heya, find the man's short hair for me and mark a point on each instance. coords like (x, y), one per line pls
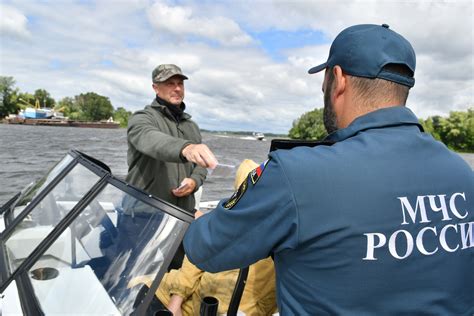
(368, 91)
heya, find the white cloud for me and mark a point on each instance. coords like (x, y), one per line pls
(441, 33)
(180, 21)
(235, 83)
(13, 22)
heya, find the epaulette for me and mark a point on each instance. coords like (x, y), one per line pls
(292, 143)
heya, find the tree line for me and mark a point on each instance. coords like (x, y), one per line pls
(88, 106)
(456, 131)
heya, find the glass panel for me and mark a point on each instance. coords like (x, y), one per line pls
(47, 214)
(10, 301)
(94, 265)
(34, 188)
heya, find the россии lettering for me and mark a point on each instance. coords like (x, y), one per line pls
(451, 208)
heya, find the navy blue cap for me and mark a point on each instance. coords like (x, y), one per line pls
(363, 50)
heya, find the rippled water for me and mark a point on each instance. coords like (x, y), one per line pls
(27, 153)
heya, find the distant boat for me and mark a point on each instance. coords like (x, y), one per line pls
(258, 135)
(41, 113)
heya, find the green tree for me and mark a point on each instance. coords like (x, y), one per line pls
(69, 108)
(8, 104)
(94, 107)
(430, 126)
(44, 98)
(309, 126)
(456, 131)
(121, 115)
(25, 100)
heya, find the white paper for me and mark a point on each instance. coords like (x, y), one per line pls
(221, 170)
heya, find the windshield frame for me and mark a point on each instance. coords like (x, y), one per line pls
(27, 297)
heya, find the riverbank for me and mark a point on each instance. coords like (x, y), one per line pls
(60, 122)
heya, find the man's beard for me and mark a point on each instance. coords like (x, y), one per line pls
(329, 116)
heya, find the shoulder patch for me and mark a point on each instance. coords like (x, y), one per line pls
(257, 172)
(236, 196)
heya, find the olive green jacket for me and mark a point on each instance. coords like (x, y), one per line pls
(155, 163)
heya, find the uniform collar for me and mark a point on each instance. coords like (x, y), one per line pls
(167, 112)
(386, 117)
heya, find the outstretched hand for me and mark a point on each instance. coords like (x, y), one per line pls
(186, 187)
(200, 154)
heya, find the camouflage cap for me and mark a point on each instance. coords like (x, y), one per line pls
(164, 72)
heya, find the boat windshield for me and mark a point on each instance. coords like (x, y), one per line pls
(48, 212)
(32, 190)
(88, 242)
(100, 259)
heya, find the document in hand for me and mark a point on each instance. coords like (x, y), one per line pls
(221, 170)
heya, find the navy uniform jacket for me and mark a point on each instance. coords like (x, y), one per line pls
(380, 223)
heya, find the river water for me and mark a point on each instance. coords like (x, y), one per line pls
(28, 152)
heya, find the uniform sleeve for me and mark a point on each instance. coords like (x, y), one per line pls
(148, 139)
(263, 220)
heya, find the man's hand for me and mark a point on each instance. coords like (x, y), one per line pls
(186, 187)
(200, 154)
(175, 305)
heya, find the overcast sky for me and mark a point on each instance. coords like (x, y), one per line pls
(247, 61)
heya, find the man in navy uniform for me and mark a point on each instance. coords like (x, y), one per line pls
(379, 223)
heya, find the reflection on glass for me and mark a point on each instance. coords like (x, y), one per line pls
(115, 241)
(47, 214)
(31, 191)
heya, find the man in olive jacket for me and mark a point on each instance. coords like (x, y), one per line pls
(165, 155)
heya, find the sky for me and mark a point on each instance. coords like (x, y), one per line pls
(247, 61)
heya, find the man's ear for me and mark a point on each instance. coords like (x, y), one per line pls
(339, 96)
(155, 88)
(340, 82)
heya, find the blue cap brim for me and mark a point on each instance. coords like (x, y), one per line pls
(318, 68)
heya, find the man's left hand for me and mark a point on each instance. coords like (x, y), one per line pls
(186, 187)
